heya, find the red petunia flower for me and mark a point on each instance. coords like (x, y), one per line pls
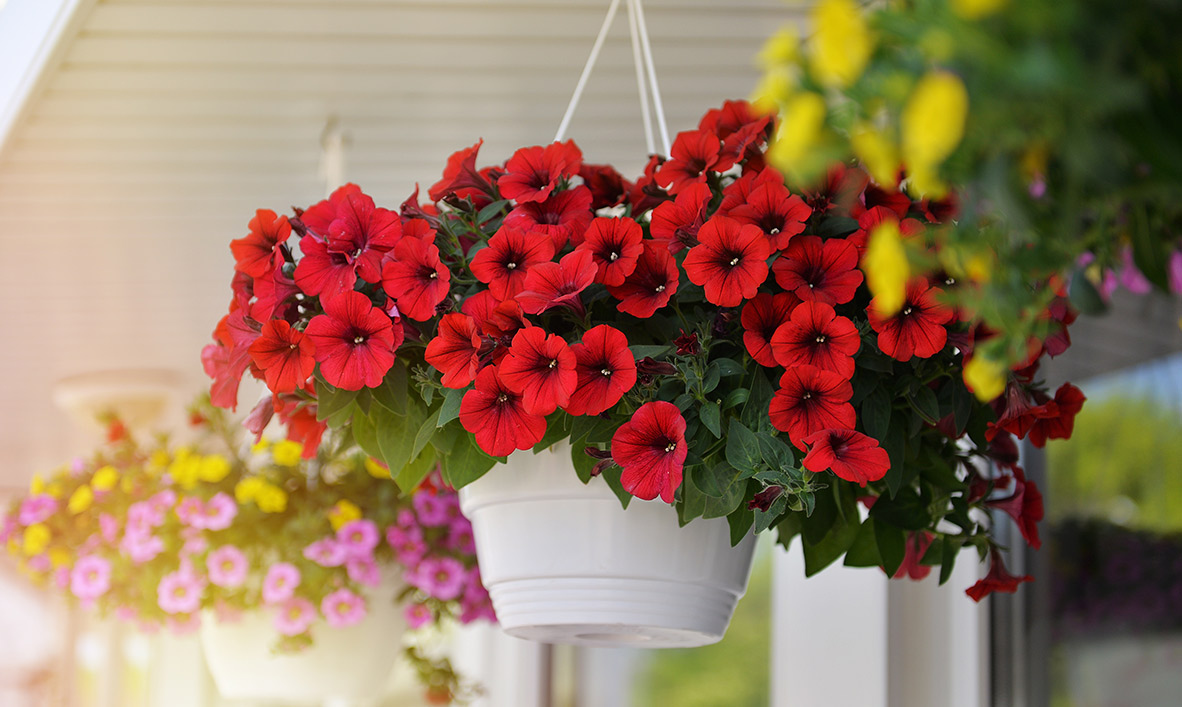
(875, 196)
(285, 355)
(322, 272)
(1025, 506)
(998, 579)
(1017, 413)
(849, 454)
(651, 449)
(824, 271)
(693, 154)
(740, 190)
(509, 256)
(731, 118)
(605, 368)
(775, 210)
(455, 350)
(762, 316)
(298, 417)
(226, 360)
(416, 278)
(608, 187)
(841, 191)
(461, 178)
(915, 547)
(532, 173)
(563, 217)
(816, 335)
(915, 330)
(355, 341)
(496, 417)
(871, 218)
(645, 194)
(541, 369)
(275, 293)
(810, 400)
(364, 233)
(730, 261)
(558, 284)
(259, 253)
(650, 285)
(318, 217)
(675, 224)
(1069, 401)
(614, 245)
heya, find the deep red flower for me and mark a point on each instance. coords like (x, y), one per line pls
(1063, 315)
(532, 173)
(998, 579)
(321, 272)
(848, 453)
(675, 224)
(650, 285)
(1069, 401)
(824, 271)
(364, 233)
(762, 316)
(1025, 506)
(416, 278)
(275, 293)
(455, 350)
(496, 417)
(915, 330)
(871, 218)
(875, 196)
(815, 335)
(509, 256)
(285, 355)
(1017, 412)
(355, 341)
(645, 194)
(810, 400)
(730, 261)
(608, 187)
(558, 284)
(412, 209)
(842, 189)
(259, 252)
(739, 190)
(614, 245)
(693, 154)
(775, 210)
(318, 218)
(916, 546)
(227, 359)
(742, 130)
(731, 118)
(605, 368)
(299, 418)
(460, 177)
(563, 217)
(651, 449)
(541, 369)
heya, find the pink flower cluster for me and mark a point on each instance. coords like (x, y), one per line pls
(215, 514)
(140, 543)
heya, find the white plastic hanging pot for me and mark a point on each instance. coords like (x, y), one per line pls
(343, 664)
(564, 563)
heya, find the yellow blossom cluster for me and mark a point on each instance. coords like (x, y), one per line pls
(269, 497)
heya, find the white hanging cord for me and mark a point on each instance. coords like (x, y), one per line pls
(641, 85)
(652, 74)
(574, 100)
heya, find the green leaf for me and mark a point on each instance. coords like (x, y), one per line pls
(366, 436)
(684, 401)
(755, 411)
(742, 448)
(765, 519)
(904, 510)
(895, 444)
(331, 400)
(341, 417)
(641, 351)
(391, 394)
(411, 475)
(775, 453)
(819, 555)
(711, 418)
(396, 434)
(584, 464)
(692, 503)
(450, 409)
(925, 403)
(728, 367)
(612, 476)
(870, 359)
(730, 500)
(425, 433)
(490, 212)
(712, 377)
(557, 428)
(789, 528)
(1084, 296)
(592, 428)
(713, 481)
(738, 396)
(948, 553)
(864, 550)
(445, 438)
(466, 463)
(892, 546)
(740, 524)
(1148, 254)
(876, 413)
(836, 227)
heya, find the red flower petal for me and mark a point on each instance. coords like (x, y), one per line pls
(614, 245)
(455, 350)
(850, 454)
(825, 271)
(558, 284)
(285, 355)
(510, 254)
(811, 400)
(355, 341)
(918, 328)
(496, 417)
(730, 261)
(605, 368)
(258, 253)
(416, 278)
(650, 285)
(816, 336)
(541, 369)
(762, 315)
(650, 447)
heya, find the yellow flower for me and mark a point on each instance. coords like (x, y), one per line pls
(36, 539)
(260, 446)
(985, 377)
(271, 499)
(878, 153)
(105, 478)
(375, 469)
(54, 489)
(81, 499)
(342, 513)
(287, 453)
(887, 270)
(127, 484)
(804, 117)
(37, 485)
(842, 43)
(248, 489)
(159, 460)
(59, 556)
(782, 48)
(213, 468)
(932, 125)
(773, 91)
(976, 9)
(185, 468)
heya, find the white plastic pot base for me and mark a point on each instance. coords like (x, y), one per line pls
(350, 663)
(564, 563)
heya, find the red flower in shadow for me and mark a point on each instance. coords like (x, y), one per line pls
(693, 154)
(563, 217)
(816, 336)
(850, 454)
(824, 271)
(650, 447)
(558, 284)
(675, 224)
(998, 579)
(650, 285)
(915, 330)
(461, 178)
(496, 417)
(285, 355)
(762, 316)
(1069, 401)
(811, 400)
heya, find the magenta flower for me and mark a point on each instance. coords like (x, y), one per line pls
(90, 578)
(36, 509)
(364, 571)
(417, 615)
(217, 514)
(408, 544)
(227, 567)
(326, 553)
(441, 577)
(431, 509)
(476, 603)
(280, 583)
(407, 519)
(295, 616)
(342, 608)
(179, 593)
(460, 538)
(358, 538)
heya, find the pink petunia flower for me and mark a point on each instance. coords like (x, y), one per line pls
(441, 577)
(417, 615)
(108, 528)
(189, 509)
(342, 608)
(407, 543)
(326, 553)
(280, 583)
(295, 616)
(364, 571)
(358, 538)
(217, 514)
(91, 577)
(179, 593)
(140, 546)
(227, 567)
(36, 509)
(431, 509)
(460, 537)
